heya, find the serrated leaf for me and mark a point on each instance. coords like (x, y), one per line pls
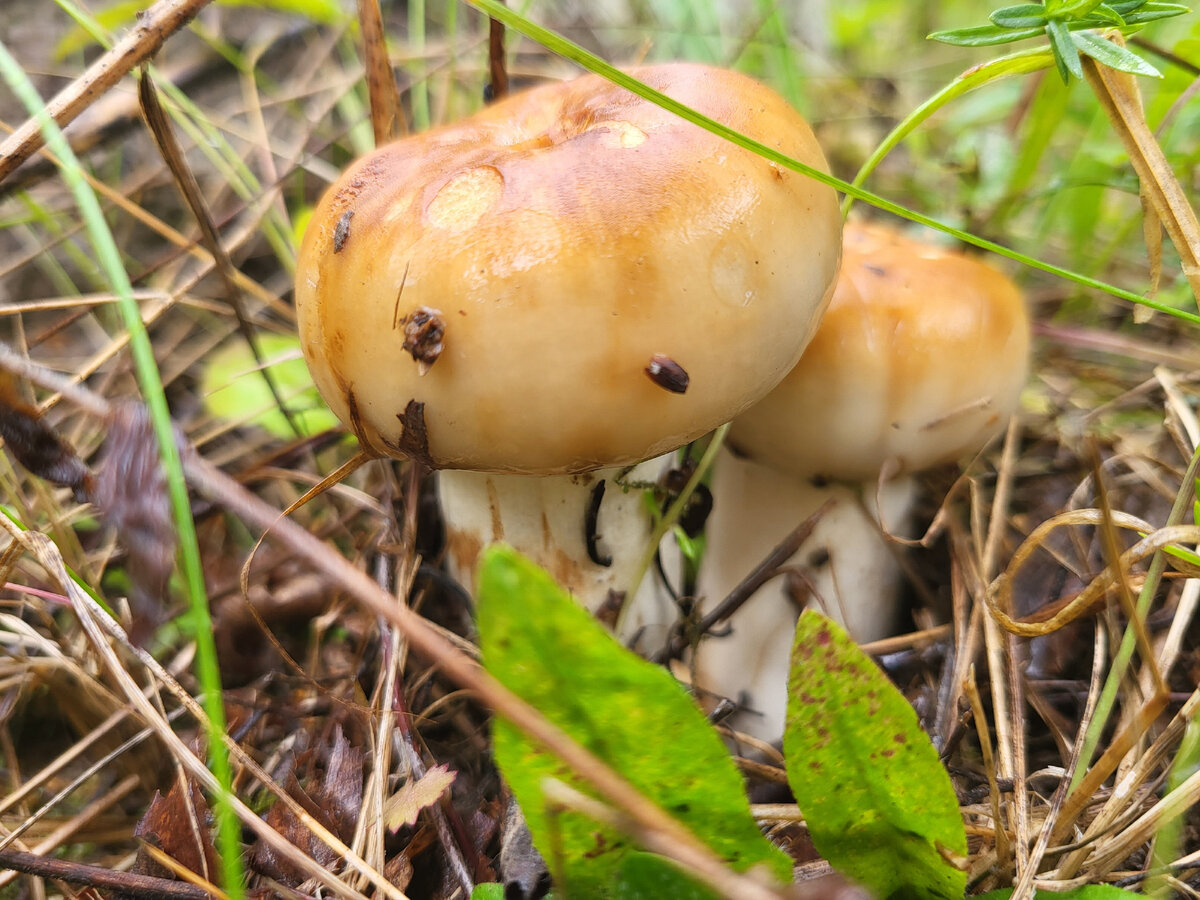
(550, 651)
(879, 806)
(403, 807)
(1089, 892)
(983, 35)
(1024, 15)
(235, 390)
(644, 876)
(1112, 55)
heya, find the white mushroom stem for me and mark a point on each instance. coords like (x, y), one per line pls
(846, 569)
(550, 519)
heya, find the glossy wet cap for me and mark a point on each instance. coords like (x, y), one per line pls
(573, 278)
(919, 360)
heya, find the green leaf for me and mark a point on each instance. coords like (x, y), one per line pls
(1124, 7)
(984, 35)
(550, 651)
(1024, 15)
(1112, 55)
(1072, 10)
(1089, 892)
(644, 876)
(1105, 16)
(1151, 12)
(235, 390)
(1066, 57)
(321, 12)
(877, 801)
(111, 17)
(488, 891)
(121, 13)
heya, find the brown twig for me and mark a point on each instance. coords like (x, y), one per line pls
(497, 67)
(1121, 101)
(153, 27)
(386, 121)
(185, 179)
(126, 883)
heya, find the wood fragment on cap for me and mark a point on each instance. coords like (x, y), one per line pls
(341, 233)
(414, 440)
(424, 329)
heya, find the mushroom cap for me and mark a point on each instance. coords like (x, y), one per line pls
(576, 246)
(919, 360)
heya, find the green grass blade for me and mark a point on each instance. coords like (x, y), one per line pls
(976, 77)
(146, 367)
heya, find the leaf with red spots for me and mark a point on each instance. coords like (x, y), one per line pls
(879, 806)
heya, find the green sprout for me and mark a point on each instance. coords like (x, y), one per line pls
(1071, 27)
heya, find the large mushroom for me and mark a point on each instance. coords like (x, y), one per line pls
(919, 360)
(568, 283)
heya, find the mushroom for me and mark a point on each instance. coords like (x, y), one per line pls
(566, 284)
(919, 360)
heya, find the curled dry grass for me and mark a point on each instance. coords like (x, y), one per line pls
(1054, 659)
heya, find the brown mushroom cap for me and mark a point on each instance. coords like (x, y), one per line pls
(919, 359)
(575, 245)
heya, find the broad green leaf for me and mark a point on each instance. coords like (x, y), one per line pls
(235, 390)
(1024, 15)
(879, 806)
(1090, 892)
(1112, 55)
(550, 651)
(1076, 9)
(488, 891)
(644, 876)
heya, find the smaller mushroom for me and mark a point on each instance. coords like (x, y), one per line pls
(919, 360)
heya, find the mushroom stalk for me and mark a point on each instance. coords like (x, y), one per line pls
(847, 569)
(588, 530)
